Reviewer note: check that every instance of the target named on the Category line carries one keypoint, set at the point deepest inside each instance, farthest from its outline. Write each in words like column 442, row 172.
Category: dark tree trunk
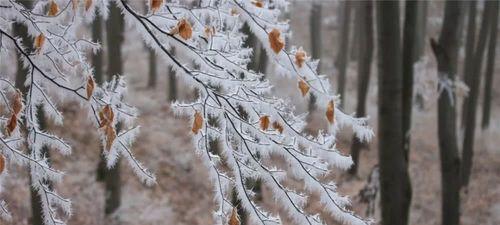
column 470, row 44
column 115, row 27
column 490, row 69
column 152, row 68
column 420, row 41
column 410, row 36
column 341, row 62
column 446, row 52
column 97, row 61
column 365, row 55
column 172, row 85
column 475, row 79
column 393, row 167
column 315, row 30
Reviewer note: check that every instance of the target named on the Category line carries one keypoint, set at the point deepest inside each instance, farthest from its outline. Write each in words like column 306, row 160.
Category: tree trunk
column 475, row 79
column 490, row 69
column 341, row 62
column 97, row 62
column 470, row 44
column 115, row 27
column 315, row 30
column 152, row 69
column 172, row 85
column 393, row 167
column 421, row 25
column 446, row 52
column 365, row 56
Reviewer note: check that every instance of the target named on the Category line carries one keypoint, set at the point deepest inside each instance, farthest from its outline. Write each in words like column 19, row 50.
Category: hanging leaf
column 110, row 136
column 264, row 122
column 39, row 41
column 2, row 163
column 155, row 5
column 53, row 8
column 88, row 4
column 234, row 12
column 185, row 29
column 277, row 43
column 17, row 103
column 75, row 4
column 304, row 88
column 90, row 87
column 234, row 220
column 330, row 112
column 197, row 123
column 300, row 57
column 106, row 116
column 11, row 125
column 258, row 3
column 209, row 31
column 277, row 126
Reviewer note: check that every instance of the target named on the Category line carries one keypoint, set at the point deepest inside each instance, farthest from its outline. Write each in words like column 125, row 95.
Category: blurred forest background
column 343, row 35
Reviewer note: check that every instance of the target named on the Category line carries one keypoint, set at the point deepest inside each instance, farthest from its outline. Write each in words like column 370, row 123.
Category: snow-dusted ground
column 183, row 194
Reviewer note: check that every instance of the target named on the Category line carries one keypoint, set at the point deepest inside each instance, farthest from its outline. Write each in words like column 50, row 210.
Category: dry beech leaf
column 106, row 116
column 234, row 220
column 110, row 136
column 155, row 5
column 258, row 3
column 11, row 125
column 53, row 8
column 300, row 57
column 304, row 88
column 209, row 31
column 185, row 29
column 88, row 4
column 330, row 112
column 276, row 41
column 197, row 123
column 90, row 87
column 39, row 41
column 264, row 122
column 2, row 163
column 75, row 4
column 277, row 126
column 234, row 12
column 17, row 103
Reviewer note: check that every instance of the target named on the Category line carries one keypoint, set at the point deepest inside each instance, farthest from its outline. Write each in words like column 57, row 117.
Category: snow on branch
column 235, row 108
column 58, row 72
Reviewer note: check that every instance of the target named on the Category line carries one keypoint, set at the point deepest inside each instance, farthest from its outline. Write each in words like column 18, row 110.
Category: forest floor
column 183, row 194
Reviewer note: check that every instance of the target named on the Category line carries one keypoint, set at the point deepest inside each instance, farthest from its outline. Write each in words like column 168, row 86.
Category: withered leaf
column 185, row 29
column 75, row 4
column 277, row 126
column 110, row 136
column 11, row 125
column 300, row 57
column 17, row 103
column 330, row 112
column 53, row 8
column 39, row 41
column 88, row 4
column 90, row 87
column 258, row 3
column 2, row 163
column 155, row 5
column 234, row 220
column 277, row 43
column 304, row 88
column 106, row 116
column 264, row 122
column 197, row 123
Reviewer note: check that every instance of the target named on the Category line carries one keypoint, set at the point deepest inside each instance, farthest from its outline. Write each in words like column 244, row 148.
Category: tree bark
column 475, row 79
column 490, row 69
column 341, row 62
column 115, row 27
column 393, row 167
column 315, row 31
column 97, row 61
column 421, row 25
column 365, row 55
column 152, row 69
column 446, row 52
column 172, row 85
column 470, row 44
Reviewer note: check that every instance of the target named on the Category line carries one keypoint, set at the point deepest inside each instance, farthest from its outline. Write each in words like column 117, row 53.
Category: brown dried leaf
column 39, row 41
column 258, row 3
column 264, row 122
column 2, row 163
column 88, row 4
column 110, row 136
column 75, row 4
column 106, row 116
column 209, row 31
column 234, row 12
column 300, row 57
column 304, row 88
column 155, row 5
column 185, row 29
column 234, row 220
column 277, row 126
column 11, row 125
column 277, row 43
column 90, row 87
column 53, row 8
column 330, row 112
column 197, row 123
column 17, row 103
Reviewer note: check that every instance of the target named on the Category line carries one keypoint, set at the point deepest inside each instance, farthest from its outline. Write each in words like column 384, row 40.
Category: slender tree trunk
column 393, row 167
column 342, row 54
column 97, row 61
column 115, row 27
column 490, row 69
column 172, row 85
column 315, row 30
column 475, row 79
column 446, row 52
column 420, row 41
column 365, row 55
column 470, row 45
column 152, row 69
